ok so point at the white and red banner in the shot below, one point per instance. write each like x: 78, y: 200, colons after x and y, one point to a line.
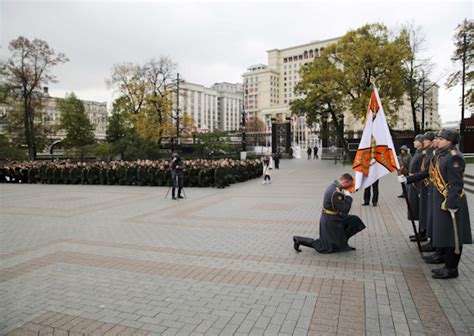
x: 376, y: 155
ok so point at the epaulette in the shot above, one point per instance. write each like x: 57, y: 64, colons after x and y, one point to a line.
x: 454, y: 152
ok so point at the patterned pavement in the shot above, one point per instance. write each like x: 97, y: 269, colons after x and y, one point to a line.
x: 114, y: 260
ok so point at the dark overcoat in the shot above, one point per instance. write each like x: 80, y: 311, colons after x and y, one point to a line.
x: 413, y: 190
x: 426, y: 199
x: 336, y: 229
x: 450, y: 165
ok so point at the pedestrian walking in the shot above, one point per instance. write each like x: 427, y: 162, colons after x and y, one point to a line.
x: 267, y: 162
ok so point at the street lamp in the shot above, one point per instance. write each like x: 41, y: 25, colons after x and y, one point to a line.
x: 244, y: 92
x: 177, y: 80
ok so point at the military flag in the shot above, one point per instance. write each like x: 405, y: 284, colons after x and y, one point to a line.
x: 376, y: 156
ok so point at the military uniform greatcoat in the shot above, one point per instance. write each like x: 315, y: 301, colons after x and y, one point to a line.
x: 413, y: 190
x: 448, y: 193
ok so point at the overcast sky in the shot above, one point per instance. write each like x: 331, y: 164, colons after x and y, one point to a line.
x: 213, y: 41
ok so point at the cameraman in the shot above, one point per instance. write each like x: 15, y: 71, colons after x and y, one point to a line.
x: 177, y: 174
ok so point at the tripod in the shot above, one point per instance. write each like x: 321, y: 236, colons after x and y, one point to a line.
x: 176, y: 183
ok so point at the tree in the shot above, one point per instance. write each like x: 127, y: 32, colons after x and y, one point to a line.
x: 154, y: 121
x: 189, y: 126
x: 159, y: 74
x: 10, y: 152
x: 76, y: 124
x: 214, y: 144
x: 129, y: 81
x: 466, y: 28
x: 255, y: 124
x: 146, y: 89
x: 119, y: 125
x: 416, y: 71
x: 28, y: 69
x: 16, y: 122
x: 339, y: 80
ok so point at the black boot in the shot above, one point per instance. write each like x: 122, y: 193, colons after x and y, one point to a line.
x: 446, y: 273
x: 302, y: 241
x: 421, y: 236
x: 296, y: 243
x: 438, y: 270
x: 435, y: 259
x: 427, y: 248
x: 173, y: 194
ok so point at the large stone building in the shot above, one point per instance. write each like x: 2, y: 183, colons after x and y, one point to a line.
x: 214, y: 108
x: 269, y: 90
x: 96, y: 111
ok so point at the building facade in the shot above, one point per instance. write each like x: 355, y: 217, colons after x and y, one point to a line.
x: 431, y: 115
x: 214, y: 108
x: 269, y: 90
x: 96, y: 111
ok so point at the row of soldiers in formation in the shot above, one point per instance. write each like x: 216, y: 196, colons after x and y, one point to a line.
x: 436, y: 196
x: 198, y: 173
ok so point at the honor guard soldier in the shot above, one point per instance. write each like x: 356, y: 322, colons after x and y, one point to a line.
x: 451, y: 223
x: 413, y: 190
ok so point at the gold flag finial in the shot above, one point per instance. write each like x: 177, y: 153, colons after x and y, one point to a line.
x: 372, y: 80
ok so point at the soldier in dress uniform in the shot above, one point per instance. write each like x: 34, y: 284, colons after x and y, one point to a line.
x: 451, y: 223
x: 426, y: 200
x: 413, y: 190
x: 424, y: 190
x: 336, y: 226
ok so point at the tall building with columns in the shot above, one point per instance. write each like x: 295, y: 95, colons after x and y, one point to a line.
x: 212, y: 108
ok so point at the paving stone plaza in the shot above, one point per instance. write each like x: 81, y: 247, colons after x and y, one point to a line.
x: 114, y: 260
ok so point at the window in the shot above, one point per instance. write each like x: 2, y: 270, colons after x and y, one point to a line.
x: 290, y: 59
x: 300, y: 57
x: 285, y: 60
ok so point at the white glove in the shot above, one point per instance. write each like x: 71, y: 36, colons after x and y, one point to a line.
x: 346, y: 192
x: 402, y: 179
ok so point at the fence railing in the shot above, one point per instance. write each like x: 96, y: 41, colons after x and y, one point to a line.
x: 331, y: 153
